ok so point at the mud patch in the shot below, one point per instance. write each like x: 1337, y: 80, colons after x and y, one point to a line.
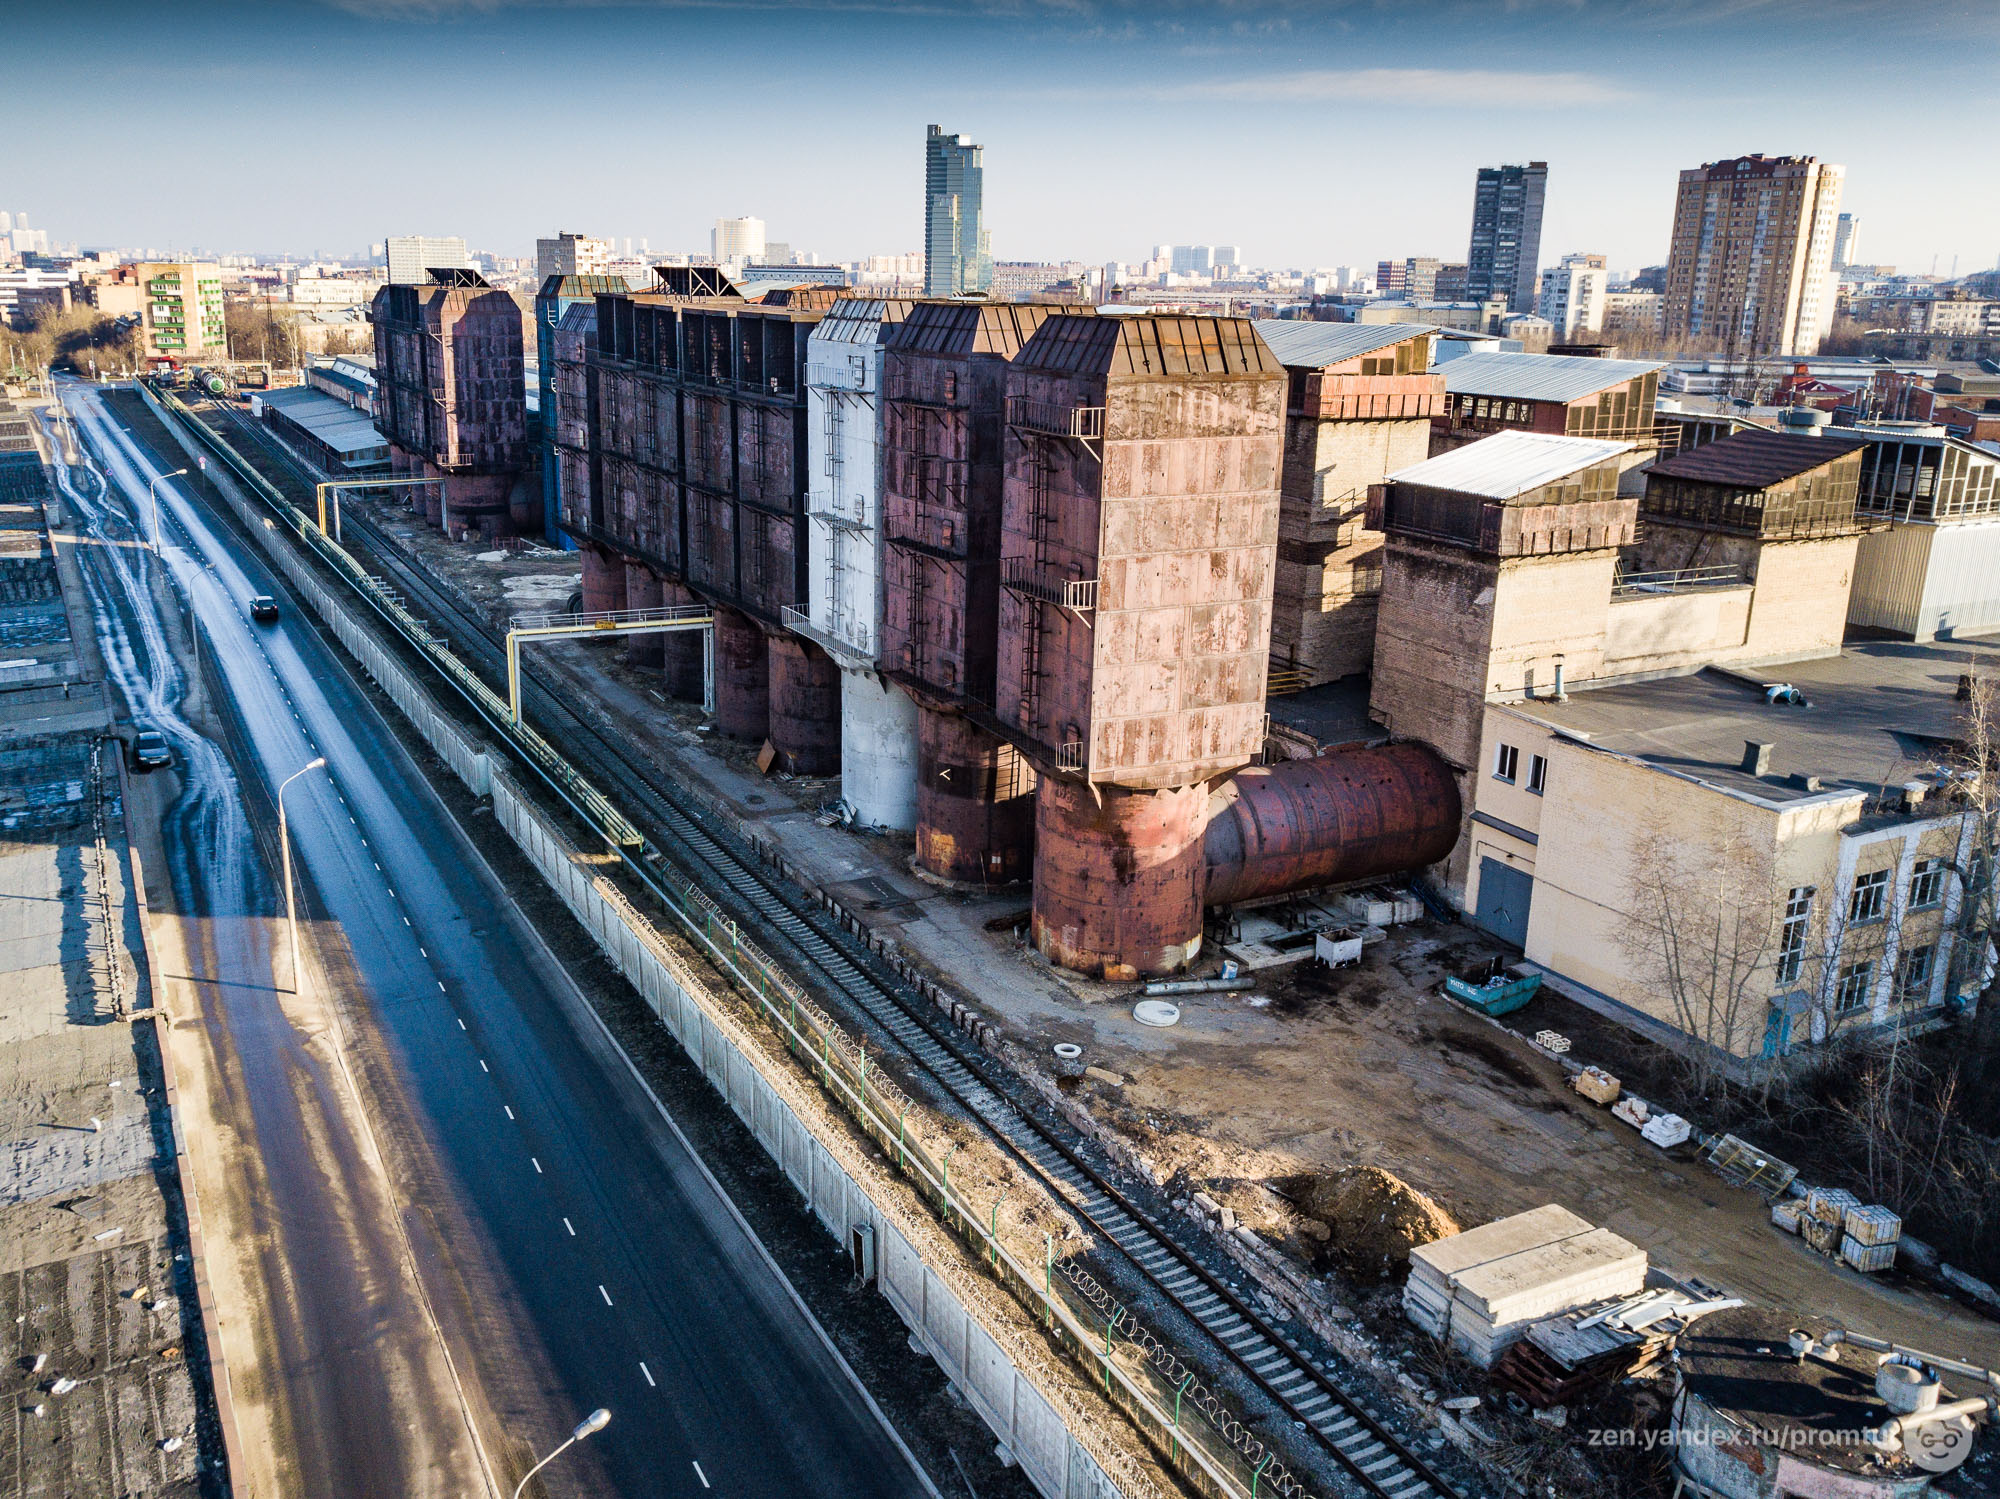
x: 1372, y: 1219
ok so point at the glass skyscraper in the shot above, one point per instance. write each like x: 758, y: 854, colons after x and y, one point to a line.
x: 956, y: 258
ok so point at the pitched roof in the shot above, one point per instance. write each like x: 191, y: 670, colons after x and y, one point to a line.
x: 1149, y: 344
x: 962, y: 328
x: 1755, y: 459
x: 1510, y: 463
x: 1307, y: 345
x: 859, y: 320
x: 1540, y: 377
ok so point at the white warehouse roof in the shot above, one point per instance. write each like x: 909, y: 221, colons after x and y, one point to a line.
x: 1510, y: 463
x: 1539, y: 377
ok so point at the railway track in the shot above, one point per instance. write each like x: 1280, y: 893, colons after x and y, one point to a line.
x: 1347, y: 1426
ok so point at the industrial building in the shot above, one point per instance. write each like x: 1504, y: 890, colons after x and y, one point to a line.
x: 560, y: 291
x: 1574, y: 395
x: 451, y: 400
x: 1359, y: 403
x: 335, y: 437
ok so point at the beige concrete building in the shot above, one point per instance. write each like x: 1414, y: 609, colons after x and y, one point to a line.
x: 1359, y: 405
x: 178, y: 304
x: 1749, y: 271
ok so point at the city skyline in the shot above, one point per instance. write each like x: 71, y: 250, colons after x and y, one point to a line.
x: 1196, y: 135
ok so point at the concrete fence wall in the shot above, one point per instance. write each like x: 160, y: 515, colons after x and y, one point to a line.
x: 1024, y: 1419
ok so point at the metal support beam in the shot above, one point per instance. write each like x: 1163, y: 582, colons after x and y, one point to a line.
x: 624, y: 622
x: 335, y: 486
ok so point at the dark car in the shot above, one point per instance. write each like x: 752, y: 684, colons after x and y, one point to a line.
x: 150, y: 750
x: 264, y: 608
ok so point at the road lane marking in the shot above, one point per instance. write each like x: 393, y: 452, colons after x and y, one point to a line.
x: 605, y: 1294
x: 571, y: 1227
x: 421, y: 950
x: 406, y: 921
x: 649, y: 1374
x: 461, y: 1022
x: 441, y: 987
x: 536, y: 1164
x: 482, y: 1065
x: 510, y: 1112
x: 702, y: 1476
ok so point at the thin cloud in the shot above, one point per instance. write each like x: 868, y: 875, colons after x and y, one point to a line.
x: 1468, y: 88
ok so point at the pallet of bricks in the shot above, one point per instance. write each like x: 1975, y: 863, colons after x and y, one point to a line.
x: 1840, y: 1226
x: 1481, y: 1290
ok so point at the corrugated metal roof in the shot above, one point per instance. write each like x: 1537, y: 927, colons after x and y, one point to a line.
x: 1303, y: 345
x: 859, y: 320
x: 333, y: 422
x: 1149, y: 344
x: 1539, y: 377
x: 1755, y: 458
x: 963, y: 328
x: 1510, y: 463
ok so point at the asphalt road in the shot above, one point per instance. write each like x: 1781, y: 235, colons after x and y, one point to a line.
x: 573, y: 1251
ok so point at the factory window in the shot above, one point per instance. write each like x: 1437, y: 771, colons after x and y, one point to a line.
x: 1538, y: 773
x: 1927, y: 884
x: 1913, y: 974
x: 1506, y: 763
x: 1870, y: 900
x: 1856, y: 979
x: 1792, y: 935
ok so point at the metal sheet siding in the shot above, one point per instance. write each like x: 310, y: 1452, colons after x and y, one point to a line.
x: 1889, y: 573
x: 1315, y: 345
x: 1962, y: 593
x: 1509, y: 463
x: 1539, y: 377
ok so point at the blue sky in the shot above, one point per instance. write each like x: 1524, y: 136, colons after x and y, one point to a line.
x: 1310, y: 133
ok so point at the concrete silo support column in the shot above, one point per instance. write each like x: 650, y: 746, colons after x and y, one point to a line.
x: 742, y: 677
x: 680, y: 652
x: 805, y: 706
x: 642, y: 591
x: 1118, y: 887
x: 603, y: 582
x: 975, y: 803
x: 878, y: 752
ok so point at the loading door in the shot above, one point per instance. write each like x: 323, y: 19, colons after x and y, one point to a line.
x: 1504, y: 896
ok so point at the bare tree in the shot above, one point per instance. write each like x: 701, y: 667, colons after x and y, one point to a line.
x: 1702, y: 926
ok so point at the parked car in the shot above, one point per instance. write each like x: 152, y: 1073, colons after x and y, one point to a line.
x: 263, y: 608
x: 150, y: 750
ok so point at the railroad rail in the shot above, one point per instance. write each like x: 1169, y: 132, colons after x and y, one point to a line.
x: 1348, y: 1426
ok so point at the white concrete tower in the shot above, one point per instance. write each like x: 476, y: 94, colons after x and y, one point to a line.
x: 878, y: 722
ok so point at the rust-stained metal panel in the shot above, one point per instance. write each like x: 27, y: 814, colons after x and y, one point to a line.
x: 1118, y: 881
x: 742, y: 677
x: 1347, y: 816
x: 805, y: 706
x: 975, y: 802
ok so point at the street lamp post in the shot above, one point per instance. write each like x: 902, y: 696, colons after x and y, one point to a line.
x: 153, y: 494
x: 285, y: 858
x: 597, y: 1420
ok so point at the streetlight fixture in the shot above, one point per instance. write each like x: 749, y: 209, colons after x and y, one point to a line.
x: 153, y: 494
x: 285, y: 858
x: 596, y: 1421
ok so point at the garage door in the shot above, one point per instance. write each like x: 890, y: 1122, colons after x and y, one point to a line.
x: 1504, y: 895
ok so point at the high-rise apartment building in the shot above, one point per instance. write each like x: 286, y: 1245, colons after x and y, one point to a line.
x: 736, y: 239
x: 412, y: 257
x: 1747, y: 272
x: 1846, y: 241
x: 574, y: 255
x: 957, y: 257
x: 178, y: 304
x: 1503, y: 256
x: 1572, y: 295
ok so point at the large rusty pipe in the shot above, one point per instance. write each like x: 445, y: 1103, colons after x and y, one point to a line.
x: 1346, y: 816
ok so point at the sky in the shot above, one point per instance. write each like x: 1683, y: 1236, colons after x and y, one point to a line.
x: 1311, y: 134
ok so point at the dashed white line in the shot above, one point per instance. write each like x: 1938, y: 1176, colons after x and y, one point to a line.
x: 510, y: 1112
x: 536, y: 1164
x: 461, y: 1022
x: 649, y: 1374
x: 421, y: 950
x: 605, y: 1294
x: 702, y: 1476
x: 571, y: 1227
x: 441, y: 987
x: 482, y: 1065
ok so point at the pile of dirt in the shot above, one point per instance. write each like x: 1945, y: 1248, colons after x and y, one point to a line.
x: 1373, y: 1220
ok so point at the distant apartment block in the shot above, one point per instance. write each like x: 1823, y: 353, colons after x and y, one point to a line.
x: 737, y: 240
x: 178, y: 304
x: 412, y: 257
x: 1748, y: 272
x: 1847, y: 241
x: 957, y: 257
x: 1572, y: 295
x: 1506, y: 243
x: 572, y: 255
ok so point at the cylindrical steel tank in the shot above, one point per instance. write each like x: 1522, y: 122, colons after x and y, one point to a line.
x: 742, y: 677
x: 642, y: 591
x: 603, y: 582
x: 1118, y: 886
x: 680, y: 652
x: 878, y: 752
x: 805, y: 706
x: 1346, y: 816
x: 975, y: 802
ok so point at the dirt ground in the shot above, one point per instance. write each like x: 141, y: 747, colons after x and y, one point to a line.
x: 1368, y: 1066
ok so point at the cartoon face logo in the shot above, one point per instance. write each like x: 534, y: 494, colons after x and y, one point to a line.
x: 1941, y: 1445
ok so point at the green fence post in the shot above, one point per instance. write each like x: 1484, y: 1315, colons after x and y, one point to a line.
x: 1049, y: 1277
x: 1177, y: 1411
x: 902, y: 1160
x: 1257, y: 1477
x: 993, y: 1231
x: 947, y: 1181
x: 1107, y: 1355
